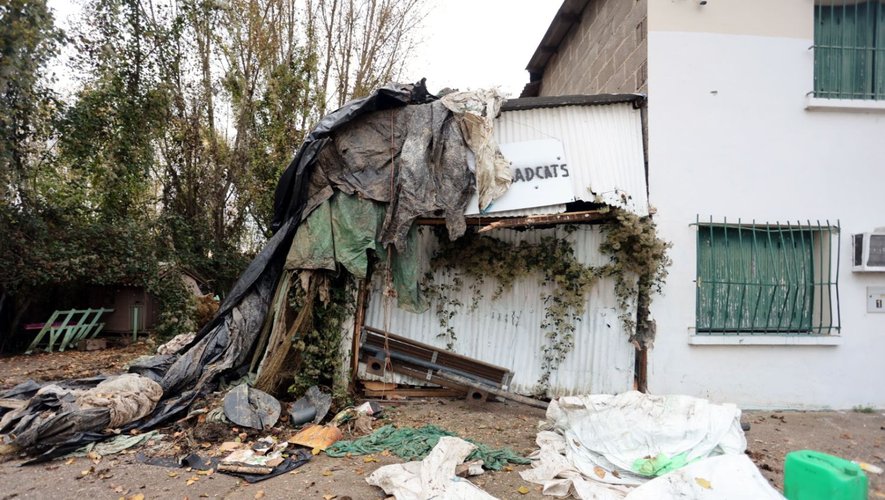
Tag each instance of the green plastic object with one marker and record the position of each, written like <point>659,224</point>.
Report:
<point>812,475</point>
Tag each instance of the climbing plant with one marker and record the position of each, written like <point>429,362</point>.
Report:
<point>318,347</point>
<point>638,263</point>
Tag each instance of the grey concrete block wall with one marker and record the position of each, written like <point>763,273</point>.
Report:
<point>606,52</point>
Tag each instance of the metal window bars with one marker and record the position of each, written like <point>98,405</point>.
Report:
<point>849,49</point>
<point>767,278</point>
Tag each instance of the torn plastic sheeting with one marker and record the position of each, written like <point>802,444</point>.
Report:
<point>116,444</point>
<point>433,477</point>
<point>475,112</point>
<point>342,230</point>
<point>72,413</point>
<point>414,159</point>
<point>249,407</point>
<point>600,445</point>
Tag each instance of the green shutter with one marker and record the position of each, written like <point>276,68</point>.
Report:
<point>847,62</point>
<point>879,60</point>
<point>755,280</point>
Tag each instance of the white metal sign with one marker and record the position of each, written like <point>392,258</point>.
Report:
<point>541,177</point>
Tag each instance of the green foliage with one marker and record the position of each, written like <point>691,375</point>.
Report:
<point>28,40</point>
<point>638,266</point>
<point>478,257</point>
<point>319,348</point>
<point>178,306</point>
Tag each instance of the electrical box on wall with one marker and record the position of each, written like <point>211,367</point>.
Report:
<point>876,299</point>
<point>868,251</point>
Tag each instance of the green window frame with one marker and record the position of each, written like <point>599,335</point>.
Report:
<point>767,279</point>
<point>849,49</point>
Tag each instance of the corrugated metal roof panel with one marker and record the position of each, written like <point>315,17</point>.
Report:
<point>603,145</point>
<point>506,331</point>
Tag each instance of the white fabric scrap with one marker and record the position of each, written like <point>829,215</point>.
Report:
<point>726,477</point>
<point>475,111</point>
<point>434,477</point>
<point>590,443</point>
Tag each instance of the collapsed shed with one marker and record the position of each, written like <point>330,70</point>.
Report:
<point>365,197</point>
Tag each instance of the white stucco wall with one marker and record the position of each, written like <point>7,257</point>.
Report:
<point>729,136</point>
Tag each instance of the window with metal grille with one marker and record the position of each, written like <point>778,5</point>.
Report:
<point>767,279</point>
<point>849,49</point>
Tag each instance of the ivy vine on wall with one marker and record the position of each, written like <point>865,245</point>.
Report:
<point>638,262</point>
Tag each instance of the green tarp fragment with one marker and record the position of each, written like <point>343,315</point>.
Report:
<point>313,247</point>
<point>414,444</point>
<point>355,225</point>
<point>660,465</point>
<point>342,229</point>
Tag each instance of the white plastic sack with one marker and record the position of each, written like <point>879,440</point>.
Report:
<point>434,477</point>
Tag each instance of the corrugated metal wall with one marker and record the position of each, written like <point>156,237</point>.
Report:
<point>603,145</point>
<point>506,332</point>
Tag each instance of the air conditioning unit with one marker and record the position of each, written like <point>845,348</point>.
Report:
<point>868,253</point>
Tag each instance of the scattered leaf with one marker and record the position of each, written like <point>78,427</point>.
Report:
<point>137,496</point>
<point>369,459</point>
<point>260,494</point>
<point>703,483</point>
<point>173,474</point>
<point>316,451</point>
<point>329,497</point>
<point>599,471</point>
<point>69,461</point>
<point>508,468</point>
<point>192,480</point>
<point>522,490</point>
<point>385,453</point>
<point>327,472</point>
<point>205,472</point>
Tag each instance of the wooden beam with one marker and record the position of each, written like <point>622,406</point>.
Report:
<point>530,220</point>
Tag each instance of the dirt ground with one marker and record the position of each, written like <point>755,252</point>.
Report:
<point>854,435</point>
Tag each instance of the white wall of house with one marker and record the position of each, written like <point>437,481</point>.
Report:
<point>730,136</point>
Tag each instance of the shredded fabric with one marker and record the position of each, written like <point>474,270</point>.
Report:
<point>414,444</point>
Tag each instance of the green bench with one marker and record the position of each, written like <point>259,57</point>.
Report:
<point>72,326</point>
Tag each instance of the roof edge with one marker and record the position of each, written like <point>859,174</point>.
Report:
<point>524,103</point>
<point>569,14</point>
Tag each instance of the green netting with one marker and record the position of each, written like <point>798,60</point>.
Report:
<point>414,444</point>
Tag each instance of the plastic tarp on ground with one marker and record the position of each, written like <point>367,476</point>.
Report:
<point>603,446</point>
<point>399,146</point>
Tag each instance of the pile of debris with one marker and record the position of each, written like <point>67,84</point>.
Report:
<point>362,177</point>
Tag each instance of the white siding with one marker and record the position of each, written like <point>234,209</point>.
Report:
<point>506,332</point>
<point>603,146</point>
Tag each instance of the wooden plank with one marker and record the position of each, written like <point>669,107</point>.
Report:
<point>441,352</point>
<point>430,392</point>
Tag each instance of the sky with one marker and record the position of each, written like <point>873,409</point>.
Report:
<point>480,43</point>
<point>465,44</point>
